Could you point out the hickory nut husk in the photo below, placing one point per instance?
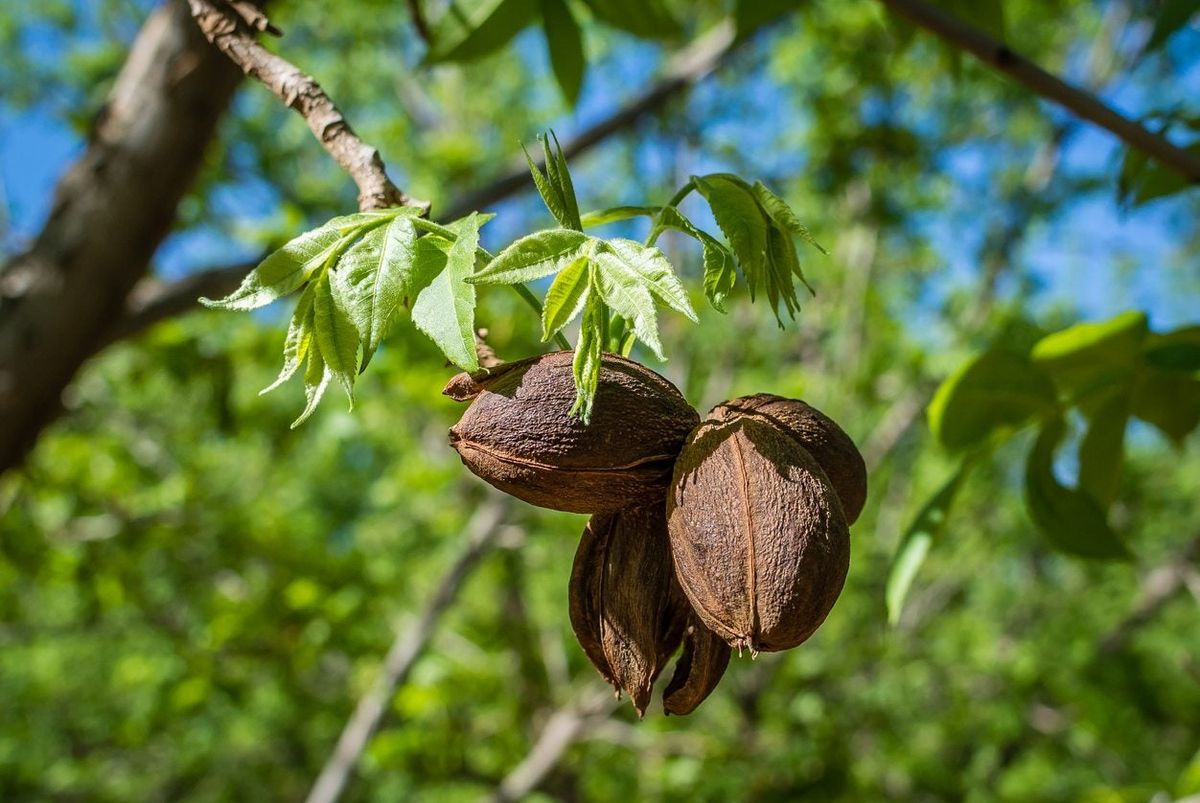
(760, 542)
(629, 613)
(819, 434)
(518, 434)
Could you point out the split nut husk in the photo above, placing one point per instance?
(630, 615)
(819, 434)
(519, 436)
(760, 544)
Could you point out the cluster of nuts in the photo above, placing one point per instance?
(727, 533)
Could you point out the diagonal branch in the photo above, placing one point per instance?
(481, 534)
(564, 727)
(228, 29)
(999, 56)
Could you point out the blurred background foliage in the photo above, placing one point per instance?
(193, 596)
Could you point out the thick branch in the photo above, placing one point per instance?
(111, 210)
(481, 534)
(685, 69)
(229, 32)
(999, 56)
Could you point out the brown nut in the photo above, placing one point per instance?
(625, 604)
(760, 544)
(699, 669)
(828, 443)
(518, 434)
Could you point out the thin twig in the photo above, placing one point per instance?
(153, 301)
(562, 729)
(481, 534)
(226, 28)
(1083, 104)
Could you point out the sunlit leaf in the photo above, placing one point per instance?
(1088, 357)
(533, 256)
(285, 270)
(445, 307)
(296, 343)
(336, 335)
(565, 297)
(586, 363)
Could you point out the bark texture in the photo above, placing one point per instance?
(60, 299)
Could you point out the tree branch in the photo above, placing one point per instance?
(999, 56)
(111, 209)
(688, 67)
(481, 534)
(153, 301)
(562, 729)
(227, 29)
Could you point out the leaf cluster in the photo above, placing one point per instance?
(1106, 373)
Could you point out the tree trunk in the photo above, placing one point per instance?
(111, 210)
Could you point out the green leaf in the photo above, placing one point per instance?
(1091, 356)
(1102, 450)
(374, 280)
(926, 528)
(740, 217)
(654, 271)
(994, 390)
(1169, 400)
(336, 335)
(719, 273)
(647, 19)
(626, 295)
(565, 297)
(296, 343)
(284, 270)
(316, 380)
(565, 45)
(1070, 519)
(560, 177)
(471, 29)
(613, 214)
(445, 307)
(586, 364)
(551, 196)
(778, 210)
(1175, 351)
(533, 256)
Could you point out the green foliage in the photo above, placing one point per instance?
(1108, 371)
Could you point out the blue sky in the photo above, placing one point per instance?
(1091, 252)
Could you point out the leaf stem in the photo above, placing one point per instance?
(527, 295)
(676, 200)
